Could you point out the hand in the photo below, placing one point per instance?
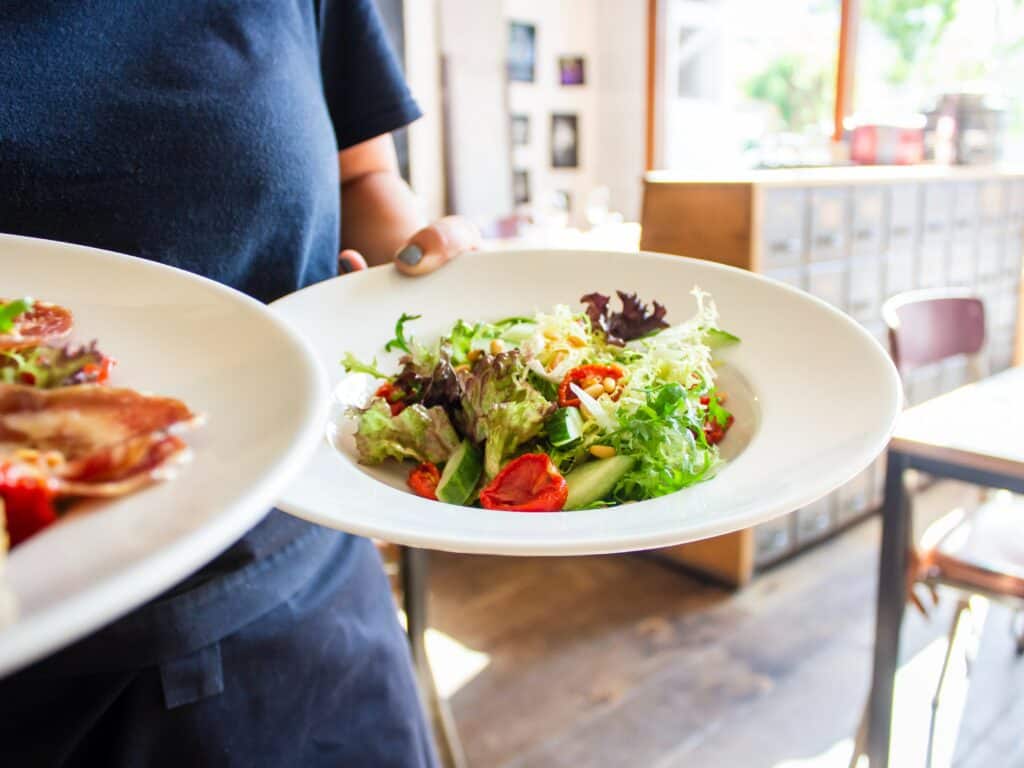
(428, 249)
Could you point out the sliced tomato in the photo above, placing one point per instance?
(392, 395)
(424, 479)
(43, 323)
(27, 500)
(582, 373)
(530, 483)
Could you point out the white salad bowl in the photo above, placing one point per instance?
(814, 395)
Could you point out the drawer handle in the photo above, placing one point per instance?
(785, 246)
(825, 240)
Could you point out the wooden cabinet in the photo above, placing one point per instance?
(853, 237)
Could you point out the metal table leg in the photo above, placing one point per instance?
(414, 571)
(890, 607)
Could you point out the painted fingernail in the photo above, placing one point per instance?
(345, 266)
(410, 255)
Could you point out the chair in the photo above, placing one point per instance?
(975, 553)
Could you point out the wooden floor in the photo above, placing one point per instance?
(621, 661)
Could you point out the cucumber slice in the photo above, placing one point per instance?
(565, 427)
(461, 474)
(594, 480)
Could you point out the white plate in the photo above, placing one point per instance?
(173, 333)
(814, 394)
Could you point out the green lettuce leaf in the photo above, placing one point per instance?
(11, 311)
(423, 434)
(500, 407)
(353, 364)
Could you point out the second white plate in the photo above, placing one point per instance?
(815, 398)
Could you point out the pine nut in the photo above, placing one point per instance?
(557, 359)
(588, 382)
(462, 368)
(602, 451)
(609, 384)
(497, 347)
(577, 342)
(550, 335)
(721, 398)
(594, 390)
(474, 354)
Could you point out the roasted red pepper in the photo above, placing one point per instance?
(28, 501)
(530, 483)
(393, 396)
(424, 479)
(582, 373)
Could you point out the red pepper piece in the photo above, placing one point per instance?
(424, 479)
(530, 483)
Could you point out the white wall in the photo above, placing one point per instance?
(473, 37)
(611, 36)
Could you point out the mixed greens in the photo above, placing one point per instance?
(561, 410)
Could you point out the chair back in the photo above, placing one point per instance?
(927, 327)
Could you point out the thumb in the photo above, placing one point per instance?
(350, 261)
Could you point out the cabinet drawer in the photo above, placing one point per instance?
(992, 197)
(828, 223)
(1013, 249)
(773, 539)
(938, 209)
(1000, 349)
(900, 273)
(962, 264)
(990, 256)
(904, 212)
(931, 266)
(868, 219)
(865, 280)
(827, 281)
(965, 208)
(814, 521)
(854, 498)
(783, 226)
(790, 276)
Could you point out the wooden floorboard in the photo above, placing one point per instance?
(619, 661)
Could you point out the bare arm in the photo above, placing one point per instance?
(379, 213)
(380, 217)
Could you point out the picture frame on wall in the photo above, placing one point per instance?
(520, 130)
(571, 70)
(522, 51)
(520, 187)
(565, 140)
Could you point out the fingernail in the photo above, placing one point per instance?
(410, 255)
(346, 266)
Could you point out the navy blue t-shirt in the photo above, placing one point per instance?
(198, 133)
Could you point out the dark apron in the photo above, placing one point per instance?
(212, 677)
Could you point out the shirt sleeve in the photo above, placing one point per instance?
(363, 84)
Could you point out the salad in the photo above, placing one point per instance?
(571, 409)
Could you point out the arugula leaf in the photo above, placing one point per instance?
(352, 364)
(666, 436)
(10, 312)
(400, 342)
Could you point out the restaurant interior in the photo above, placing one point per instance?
(867, 152)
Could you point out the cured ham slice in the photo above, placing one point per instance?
(44, 323)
